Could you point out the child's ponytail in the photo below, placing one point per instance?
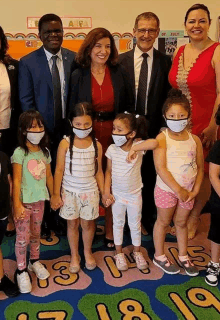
(136, 123)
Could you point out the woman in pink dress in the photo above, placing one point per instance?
(196, 71)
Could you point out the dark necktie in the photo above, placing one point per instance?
(142, 86)
(56, 92)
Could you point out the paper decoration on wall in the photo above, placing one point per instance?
(169, 40)
(68, 22)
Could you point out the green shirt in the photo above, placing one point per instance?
(33, 184)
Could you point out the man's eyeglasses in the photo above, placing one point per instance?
(57, 32)
(150, 31)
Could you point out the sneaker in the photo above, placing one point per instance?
(140, 261)
(40, 271)
(24, 282)
(189, 268)
(8, 287)
(121, 262)
(212, 273)
(167, 266)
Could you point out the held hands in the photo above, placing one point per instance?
(19, 211)
(108, 200)
(183, 195)
(209, 135)
(56, 202)
(192, 195)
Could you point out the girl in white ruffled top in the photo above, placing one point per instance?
(77, 183)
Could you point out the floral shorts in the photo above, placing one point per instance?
(80, 205)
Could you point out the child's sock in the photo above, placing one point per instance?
(32, 261)
(161, 258)
(184, 258)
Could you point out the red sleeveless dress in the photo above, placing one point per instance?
(198, 83)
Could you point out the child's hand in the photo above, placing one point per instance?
(56, 202)
(192, 195)
(19, 211)
(183, 195)
(131, 155)
(107, 200)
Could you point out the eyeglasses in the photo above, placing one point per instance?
(150, 31)
(57, 32)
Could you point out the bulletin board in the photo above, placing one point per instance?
(20, 44)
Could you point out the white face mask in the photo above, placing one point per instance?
(82, 133)
(120, 139)
(177, 125)
(35, 137)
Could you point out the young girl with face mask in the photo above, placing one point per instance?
(179, 165)
(77, 182)
(123, 177)
(31, 178)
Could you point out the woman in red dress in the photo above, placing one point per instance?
(196, 71)
(103, 82)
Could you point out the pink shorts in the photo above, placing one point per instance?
(165, 199)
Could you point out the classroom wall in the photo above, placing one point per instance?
(115, 15)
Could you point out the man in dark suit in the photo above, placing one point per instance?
(44, 82)
(148, 69)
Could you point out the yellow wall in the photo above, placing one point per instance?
(115, 15)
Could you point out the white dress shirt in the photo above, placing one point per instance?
(137, 68)
(5, 96)
(60, 67)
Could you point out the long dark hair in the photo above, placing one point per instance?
(135, 123)
(79, 110)
(83, 55)
(25, 122)
(197, 6)
(4, 57)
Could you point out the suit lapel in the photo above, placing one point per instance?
(115, 85)
(45, 67)
(130, 59)
(155, 68)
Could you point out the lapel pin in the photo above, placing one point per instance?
(11, 67)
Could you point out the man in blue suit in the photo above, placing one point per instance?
(44, 82)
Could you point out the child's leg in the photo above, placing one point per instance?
(22, 238)
(215, 252)
(35, 229)
(88, 206)
(213, 269)
(164, 217)
(73, 238)
(180, 221)
(118, 212)
(88, 231)
(134, 222)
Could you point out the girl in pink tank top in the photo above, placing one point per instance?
(179, 165)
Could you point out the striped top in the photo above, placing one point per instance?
(126, 177)
(82, 178)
